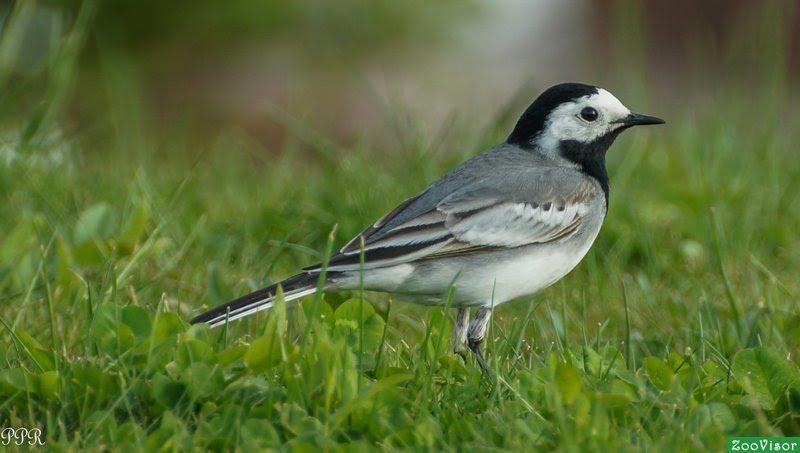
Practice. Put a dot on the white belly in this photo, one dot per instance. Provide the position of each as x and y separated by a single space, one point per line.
491 279
522 275
488 278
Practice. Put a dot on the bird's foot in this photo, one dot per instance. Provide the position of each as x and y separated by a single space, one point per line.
475 347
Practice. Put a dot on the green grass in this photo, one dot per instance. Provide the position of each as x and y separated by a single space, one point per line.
680 328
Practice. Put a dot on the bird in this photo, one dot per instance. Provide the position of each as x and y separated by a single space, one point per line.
504 224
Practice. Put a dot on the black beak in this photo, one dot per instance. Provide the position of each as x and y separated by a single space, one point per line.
637 119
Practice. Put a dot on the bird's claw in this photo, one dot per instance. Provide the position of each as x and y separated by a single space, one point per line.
475 347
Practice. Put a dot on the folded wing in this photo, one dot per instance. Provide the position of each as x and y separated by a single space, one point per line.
521 207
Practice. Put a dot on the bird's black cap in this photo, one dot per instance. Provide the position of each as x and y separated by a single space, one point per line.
532 121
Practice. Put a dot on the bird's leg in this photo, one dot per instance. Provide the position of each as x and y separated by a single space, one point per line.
460 330
477 332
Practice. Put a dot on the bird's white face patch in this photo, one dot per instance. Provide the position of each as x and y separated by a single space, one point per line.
565 121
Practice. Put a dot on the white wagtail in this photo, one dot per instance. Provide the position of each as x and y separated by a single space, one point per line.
504 224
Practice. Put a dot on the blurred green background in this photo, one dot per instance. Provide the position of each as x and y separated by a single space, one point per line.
348 68
158 158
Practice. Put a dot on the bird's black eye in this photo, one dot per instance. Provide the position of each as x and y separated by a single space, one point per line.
589 114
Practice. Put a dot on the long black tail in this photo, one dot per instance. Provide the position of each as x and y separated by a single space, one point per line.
293 288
